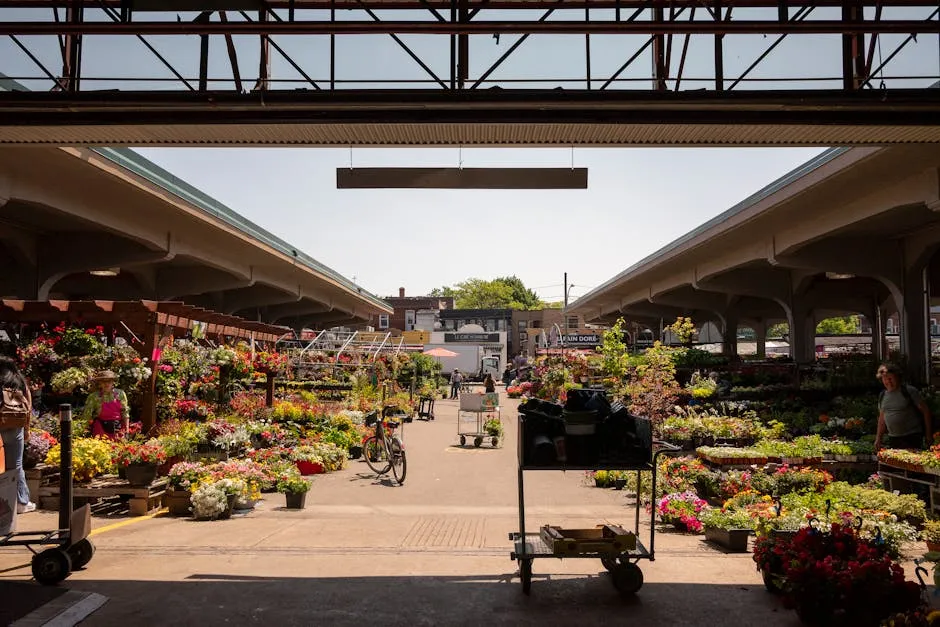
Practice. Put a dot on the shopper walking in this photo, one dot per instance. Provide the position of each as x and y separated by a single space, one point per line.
507 376
14 440
455 381
489 385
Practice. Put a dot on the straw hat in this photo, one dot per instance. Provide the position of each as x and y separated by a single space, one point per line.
104 375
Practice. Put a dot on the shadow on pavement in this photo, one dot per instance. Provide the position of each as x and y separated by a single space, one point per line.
19 598
208 599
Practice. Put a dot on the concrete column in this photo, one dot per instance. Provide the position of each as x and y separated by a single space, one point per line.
802 333
878 333
729 336
915 331
760 332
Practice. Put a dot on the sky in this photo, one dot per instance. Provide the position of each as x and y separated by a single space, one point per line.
638 200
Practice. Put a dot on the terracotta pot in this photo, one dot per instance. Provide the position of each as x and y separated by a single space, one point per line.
933 546
177 502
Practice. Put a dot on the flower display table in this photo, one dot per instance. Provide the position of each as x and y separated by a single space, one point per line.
143 499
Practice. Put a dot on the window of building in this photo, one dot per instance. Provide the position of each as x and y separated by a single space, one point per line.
890 325
383 321
523 325
573 322
410 320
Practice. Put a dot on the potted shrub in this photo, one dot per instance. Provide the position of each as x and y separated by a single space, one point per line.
618 479
494 428
294 488
601 478
931 534
729 529
140 461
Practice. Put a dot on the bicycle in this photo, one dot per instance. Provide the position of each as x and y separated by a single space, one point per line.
384 451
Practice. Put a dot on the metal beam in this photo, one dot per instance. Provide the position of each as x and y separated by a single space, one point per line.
475 5
657 26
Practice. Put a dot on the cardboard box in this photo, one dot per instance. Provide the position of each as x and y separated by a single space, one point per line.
479 402
603 539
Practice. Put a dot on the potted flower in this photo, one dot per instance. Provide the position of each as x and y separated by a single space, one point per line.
729 529
308 459
140 461
618 479
182 477
601 478
681 510
37 447
494 428
210 501
931 534
294 488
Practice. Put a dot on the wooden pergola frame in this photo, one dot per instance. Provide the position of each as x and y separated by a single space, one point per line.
149 321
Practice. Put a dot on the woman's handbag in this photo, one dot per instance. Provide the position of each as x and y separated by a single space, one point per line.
15 411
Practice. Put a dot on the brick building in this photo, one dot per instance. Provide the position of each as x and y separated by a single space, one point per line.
405 316
528 327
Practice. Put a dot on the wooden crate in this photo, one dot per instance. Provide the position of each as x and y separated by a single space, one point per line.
143 499
609 539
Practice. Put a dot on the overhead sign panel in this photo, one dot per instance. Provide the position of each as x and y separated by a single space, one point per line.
461 178
490 338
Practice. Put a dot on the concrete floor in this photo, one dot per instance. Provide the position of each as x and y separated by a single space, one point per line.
432 552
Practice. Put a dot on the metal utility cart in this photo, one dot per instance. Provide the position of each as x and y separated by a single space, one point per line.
620 560
474 411
69 546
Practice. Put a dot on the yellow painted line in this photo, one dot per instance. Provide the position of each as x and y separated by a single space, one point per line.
124 523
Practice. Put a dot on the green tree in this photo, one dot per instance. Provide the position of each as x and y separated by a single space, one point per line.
500 293
557 304
443 292
778 330
482 294
614 351
684 330
845 325
522 297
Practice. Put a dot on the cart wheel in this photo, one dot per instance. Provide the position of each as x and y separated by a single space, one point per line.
610 563
51 566
628 578
495 442
525 574
81 553
478 442
463 441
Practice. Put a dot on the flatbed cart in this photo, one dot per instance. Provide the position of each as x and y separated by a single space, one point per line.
474 411
426 408
621 564
69 548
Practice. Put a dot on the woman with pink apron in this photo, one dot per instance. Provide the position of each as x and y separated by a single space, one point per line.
106 407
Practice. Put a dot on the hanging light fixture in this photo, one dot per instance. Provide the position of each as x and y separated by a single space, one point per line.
105 272
461 178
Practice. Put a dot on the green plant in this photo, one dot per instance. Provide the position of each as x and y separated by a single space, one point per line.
726 520
292 483
494 427
90 458
684 330
931 531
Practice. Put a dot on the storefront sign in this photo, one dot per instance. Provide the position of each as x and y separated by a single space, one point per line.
472 337
586 339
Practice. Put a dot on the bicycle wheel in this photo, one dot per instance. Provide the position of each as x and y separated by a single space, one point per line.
399 461
376 456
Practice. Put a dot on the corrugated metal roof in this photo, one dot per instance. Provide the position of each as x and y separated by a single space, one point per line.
470 135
